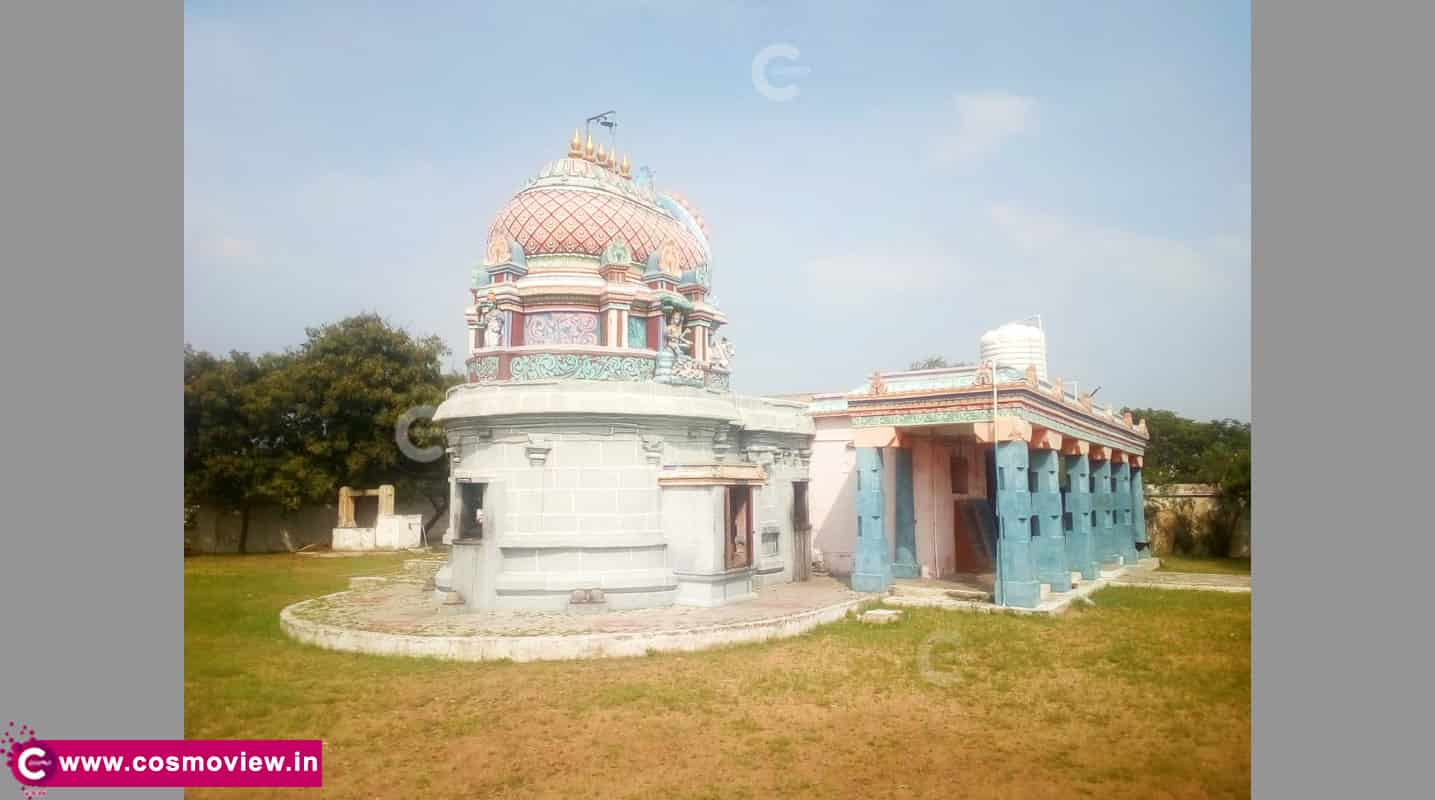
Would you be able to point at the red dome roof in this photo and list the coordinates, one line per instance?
(576, 207)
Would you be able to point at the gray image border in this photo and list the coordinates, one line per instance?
(91, 150)
(1341, 176)
(91, 320)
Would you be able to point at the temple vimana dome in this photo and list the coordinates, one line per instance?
(599, 456)
(588, 256)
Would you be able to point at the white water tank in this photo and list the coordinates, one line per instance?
(1017, 345)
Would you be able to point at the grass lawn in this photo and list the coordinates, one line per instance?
(1146, 695)
(1223, 566)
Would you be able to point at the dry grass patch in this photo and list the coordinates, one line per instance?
(1147, 695)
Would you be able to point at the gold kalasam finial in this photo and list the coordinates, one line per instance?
(625, 169)
(602, 159)
(613, 160)
(588, 153)
(575, 147)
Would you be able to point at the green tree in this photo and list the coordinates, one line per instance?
(347, 387)
(234, 436)
(937, 362)
(1217, 452)
(1184, 450)
(291, 428)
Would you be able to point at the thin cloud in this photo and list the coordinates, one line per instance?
(985, 121)
(1077, 248)
(853, 279)
(232, 249)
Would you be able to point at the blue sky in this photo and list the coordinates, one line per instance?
(942, 169)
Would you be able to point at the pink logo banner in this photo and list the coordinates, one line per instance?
(155, 763)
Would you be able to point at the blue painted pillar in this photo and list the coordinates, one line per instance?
(1138, 513)
(1080, 546)
(1103, 507)
(1125, 541)
(905, 564)
(1016, 570)
(1050, 542)
(873, 569)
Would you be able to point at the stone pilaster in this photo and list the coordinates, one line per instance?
(1016, 573)
(1080, 544)
(1103, 504)
(872, 571)
(1138, 512)
(1125, 542)
(1050, 543)
(905, 533)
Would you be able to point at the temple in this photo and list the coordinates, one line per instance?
(600, 460)
(979, 472)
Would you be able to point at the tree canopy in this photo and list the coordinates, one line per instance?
(1217, 452)
(291, 428)
(1184, 450)
(937, 362)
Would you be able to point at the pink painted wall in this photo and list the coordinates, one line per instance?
(833, 493)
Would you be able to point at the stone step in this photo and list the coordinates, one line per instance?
(940, 591)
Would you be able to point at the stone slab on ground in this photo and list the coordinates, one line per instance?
(965, 587)
(881, 616)
(1052, 603)
(1202, 581)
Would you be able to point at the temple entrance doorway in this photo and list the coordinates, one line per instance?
(972, 536)
(801, 533)
(737, 527)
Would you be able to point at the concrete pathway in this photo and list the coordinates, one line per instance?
(1210, 582)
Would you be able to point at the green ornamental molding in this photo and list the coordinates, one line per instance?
(580, 367)
(931, 418)
(483, 369)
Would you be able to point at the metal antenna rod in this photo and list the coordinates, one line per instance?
(605, 119)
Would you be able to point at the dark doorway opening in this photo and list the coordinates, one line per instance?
(366, 511)
(801, 533)
(737, 539)
(470, 496)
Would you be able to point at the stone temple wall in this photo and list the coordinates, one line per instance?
(575, 500)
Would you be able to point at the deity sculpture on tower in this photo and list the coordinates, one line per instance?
(678, 340)
(722, 353)
(490, 320)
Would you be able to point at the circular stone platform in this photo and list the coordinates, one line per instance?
(400, 616)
